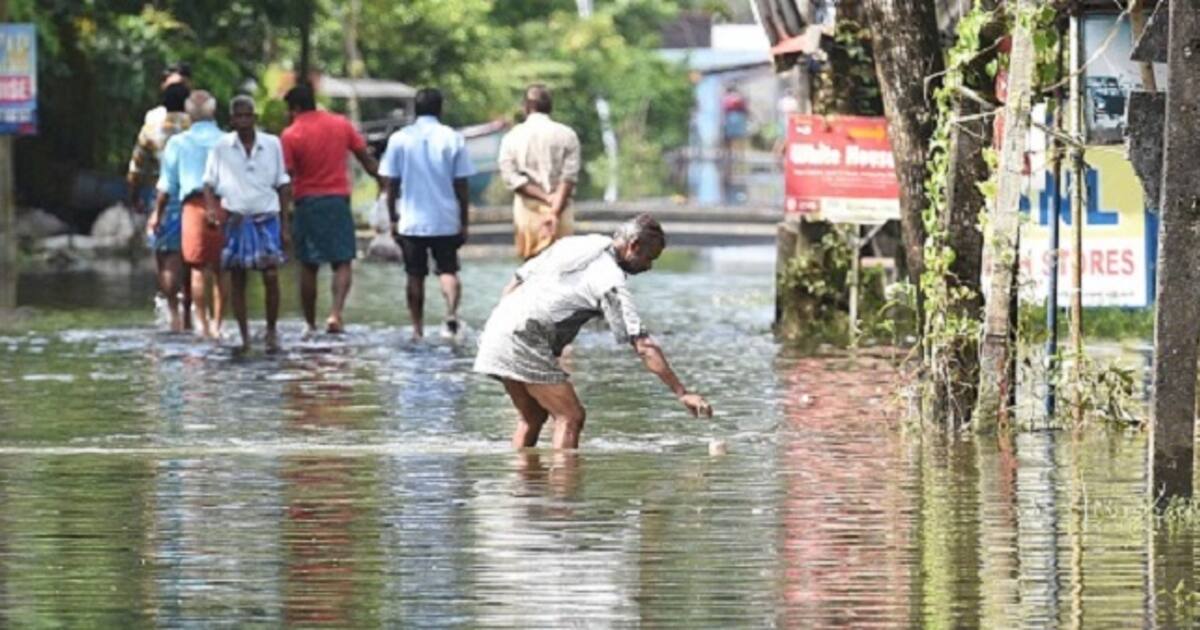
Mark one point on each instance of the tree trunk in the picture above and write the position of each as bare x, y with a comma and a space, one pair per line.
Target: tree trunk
305, 69
1176, 327
354, 63
997, 353
955, 379
905, 40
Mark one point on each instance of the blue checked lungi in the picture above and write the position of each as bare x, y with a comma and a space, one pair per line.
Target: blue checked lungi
252, 242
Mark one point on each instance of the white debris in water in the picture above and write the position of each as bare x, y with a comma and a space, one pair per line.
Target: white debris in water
717, 447
58, 378
283, 377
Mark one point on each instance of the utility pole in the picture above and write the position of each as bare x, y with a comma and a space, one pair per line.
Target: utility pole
1056, 154
354, 62
996, 356
306, 9
1078, 204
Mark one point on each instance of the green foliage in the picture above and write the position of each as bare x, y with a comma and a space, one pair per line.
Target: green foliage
949, 330
847, 83
1098, 392
820, 273
101, 59
99, 65
818, 282
585, 59
483, 54
1110, 322
950, 327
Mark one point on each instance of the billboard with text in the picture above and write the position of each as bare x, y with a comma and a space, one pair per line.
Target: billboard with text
18, 79
840, 169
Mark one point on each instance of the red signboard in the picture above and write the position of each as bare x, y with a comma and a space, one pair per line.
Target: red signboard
841, 169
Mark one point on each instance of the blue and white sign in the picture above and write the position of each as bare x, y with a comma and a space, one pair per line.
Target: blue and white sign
18, 79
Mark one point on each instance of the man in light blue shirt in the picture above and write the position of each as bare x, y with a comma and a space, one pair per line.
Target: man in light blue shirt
426, 165
181, 181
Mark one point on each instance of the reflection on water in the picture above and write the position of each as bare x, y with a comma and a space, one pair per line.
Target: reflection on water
148, 480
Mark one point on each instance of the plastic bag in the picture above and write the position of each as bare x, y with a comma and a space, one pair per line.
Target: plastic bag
380, 221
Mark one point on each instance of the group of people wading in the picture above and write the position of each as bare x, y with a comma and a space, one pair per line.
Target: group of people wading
223, 207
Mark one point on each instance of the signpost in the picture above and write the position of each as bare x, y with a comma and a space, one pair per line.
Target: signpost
18, 79
841, 169
18, 116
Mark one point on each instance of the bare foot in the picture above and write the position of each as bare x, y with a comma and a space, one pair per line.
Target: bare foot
333, 326
176, 323
417, 336
309, 333
272, 341
214, 331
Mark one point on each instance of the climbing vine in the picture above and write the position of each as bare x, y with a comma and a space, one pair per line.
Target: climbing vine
948, 328
951, 328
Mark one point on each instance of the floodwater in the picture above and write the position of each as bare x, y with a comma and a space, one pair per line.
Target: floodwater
149, 480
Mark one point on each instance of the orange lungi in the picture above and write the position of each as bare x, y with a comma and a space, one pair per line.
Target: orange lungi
528, 215
202, 242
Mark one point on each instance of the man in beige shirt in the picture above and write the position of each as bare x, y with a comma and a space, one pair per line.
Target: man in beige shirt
539, 161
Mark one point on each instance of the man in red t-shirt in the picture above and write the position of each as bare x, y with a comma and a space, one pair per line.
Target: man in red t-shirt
315, 146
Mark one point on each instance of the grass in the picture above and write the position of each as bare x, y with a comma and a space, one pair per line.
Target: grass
1108, 322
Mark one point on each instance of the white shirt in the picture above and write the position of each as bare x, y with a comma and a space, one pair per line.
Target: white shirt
247, 184
572, 282
427, 157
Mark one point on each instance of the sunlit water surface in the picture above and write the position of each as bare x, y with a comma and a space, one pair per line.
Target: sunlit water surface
150, 480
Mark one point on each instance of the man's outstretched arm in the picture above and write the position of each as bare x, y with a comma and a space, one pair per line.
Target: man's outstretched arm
656, 362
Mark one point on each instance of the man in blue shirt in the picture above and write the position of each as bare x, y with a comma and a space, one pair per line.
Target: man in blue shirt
426, 165
181, 180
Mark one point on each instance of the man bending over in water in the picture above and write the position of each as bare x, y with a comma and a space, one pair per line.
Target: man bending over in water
544, 306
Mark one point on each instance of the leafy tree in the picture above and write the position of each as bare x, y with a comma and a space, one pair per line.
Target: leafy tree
100, 64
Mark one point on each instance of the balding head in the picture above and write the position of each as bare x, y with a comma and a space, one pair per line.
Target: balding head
644, 228
638, 242
538, 99
200, 106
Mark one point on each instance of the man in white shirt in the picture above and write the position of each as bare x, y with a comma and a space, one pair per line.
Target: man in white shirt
549, 299
426, 165
245, 170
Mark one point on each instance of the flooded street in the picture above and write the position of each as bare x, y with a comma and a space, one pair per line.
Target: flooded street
150, 480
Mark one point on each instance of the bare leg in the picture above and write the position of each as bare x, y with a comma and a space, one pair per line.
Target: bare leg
198, 298
416, 304
238, 277
343, 277
308, 294
560, 400
169, 264
219, 296
532, 415
271, 284
452, 291
185, 277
